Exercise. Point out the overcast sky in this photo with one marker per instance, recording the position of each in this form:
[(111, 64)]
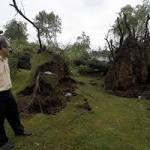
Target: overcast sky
[(94, 17)]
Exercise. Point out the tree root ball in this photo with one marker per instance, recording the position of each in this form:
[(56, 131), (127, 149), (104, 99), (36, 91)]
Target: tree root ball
[(128, 74), (46, 94)]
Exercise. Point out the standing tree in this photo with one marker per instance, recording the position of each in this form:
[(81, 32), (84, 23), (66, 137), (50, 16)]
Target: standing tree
[(49, 25), (79, 50), (16, 31), (83, 41)]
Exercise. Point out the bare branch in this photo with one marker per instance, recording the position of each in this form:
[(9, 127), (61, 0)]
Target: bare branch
[(146, 27), (110, 45), (14, 5), (121, 33), (127, 26), (23, 8)]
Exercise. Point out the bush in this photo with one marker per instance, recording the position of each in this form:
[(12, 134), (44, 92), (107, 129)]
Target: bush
[(82, 69), (22, 52), (24, 61), (73, 55)]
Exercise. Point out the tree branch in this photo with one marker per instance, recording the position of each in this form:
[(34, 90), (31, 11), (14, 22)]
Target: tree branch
[(110, 45), (14, 5), (146, 27), (121, 33), (127, 26)]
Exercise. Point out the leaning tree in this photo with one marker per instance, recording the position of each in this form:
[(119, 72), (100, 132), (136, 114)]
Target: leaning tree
[(19, 11)]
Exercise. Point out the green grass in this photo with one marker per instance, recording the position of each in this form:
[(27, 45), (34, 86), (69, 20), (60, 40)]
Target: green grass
[(116, 123), (22, 79)]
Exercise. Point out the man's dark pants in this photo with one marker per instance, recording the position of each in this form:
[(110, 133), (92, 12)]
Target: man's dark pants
[(9, 111)]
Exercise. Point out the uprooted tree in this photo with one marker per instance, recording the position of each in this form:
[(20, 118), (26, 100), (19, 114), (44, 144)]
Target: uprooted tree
[(129, 73), (51, 85)]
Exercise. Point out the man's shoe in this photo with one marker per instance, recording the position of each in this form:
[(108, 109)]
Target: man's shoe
[(7, 146), (25, 133)]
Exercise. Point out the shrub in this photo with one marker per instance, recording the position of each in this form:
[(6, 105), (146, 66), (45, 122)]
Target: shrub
[(13, 63)]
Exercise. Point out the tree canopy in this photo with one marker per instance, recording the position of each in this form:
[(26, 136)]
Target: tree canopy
[(49, 25), (131, 21), (16, 30)]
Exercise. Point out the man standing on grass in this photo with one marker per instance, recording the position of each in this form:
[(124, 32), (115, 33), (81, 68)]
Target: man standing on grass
[(8, 106)]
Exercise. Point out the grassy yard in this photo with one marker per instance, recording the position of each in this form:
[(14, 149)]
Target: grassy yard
[(115, 124)]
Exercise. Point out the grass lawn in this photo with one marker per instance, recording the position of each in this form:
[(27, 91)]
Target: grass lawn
[(115, 124)]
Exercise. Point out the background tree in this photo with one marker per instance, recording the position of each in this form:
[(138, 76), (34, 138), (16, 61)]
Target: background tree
[(78, 51), (16, 31), (49, 25), (136, 19), (131, 21), (83, 41), (146, 4)]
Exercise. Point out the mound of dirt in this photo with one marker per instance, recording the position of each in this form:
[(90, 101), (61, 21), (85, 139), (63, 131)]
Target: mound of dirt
[(47, 93)]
